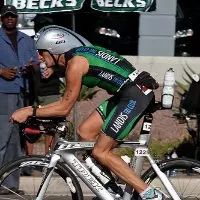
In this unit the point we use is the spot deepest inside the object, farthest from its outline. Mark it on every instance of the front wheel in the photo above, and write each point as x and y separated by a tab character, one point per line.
63	184
184	174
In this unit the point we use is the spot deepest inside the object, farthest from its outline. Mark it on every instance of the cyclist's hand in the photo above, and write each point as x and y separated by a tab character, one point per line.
145	79
8	73
21	115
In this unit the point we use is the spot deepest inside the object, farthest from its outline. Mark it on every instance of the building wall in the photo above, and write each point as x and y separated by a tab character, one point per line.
157	30
158	65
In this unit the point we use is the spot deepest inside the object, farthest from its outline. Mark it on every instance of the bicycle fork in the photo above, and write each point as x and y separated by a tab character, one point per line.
163	178
47	177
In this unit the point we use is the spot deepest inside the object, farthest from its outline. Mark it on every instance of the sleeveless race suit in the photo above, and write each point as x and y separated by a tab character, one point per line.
110	71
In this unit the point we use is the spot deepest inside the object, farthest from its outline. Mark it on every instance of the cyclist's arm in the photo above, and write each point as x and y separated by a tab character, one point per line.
76	68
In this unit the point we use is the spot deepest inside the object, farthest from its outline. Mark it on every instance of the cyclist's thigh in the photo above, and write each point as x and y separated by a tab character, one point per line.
91	126
126	111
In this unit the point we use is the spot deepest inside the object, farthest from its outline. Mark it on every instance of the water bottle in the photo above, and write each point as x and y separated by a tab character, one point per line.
167	156
174	172
42	69
168	89
108	181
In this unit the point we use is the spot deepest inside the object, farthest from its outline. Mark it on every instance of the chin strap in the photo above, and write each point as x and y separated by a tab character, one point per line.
56	61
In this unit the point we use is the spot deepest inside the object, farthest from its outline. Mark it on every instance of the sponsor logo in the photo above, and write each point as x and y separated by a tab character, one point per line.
33	4
101	108
87	176
57	36
107	57
122	4
60	42
118	81
106	75
86	49
123	116
38	163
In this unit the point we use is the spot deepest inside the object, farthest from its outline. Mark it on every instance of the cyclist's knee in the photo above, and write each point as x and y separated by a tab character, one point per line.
82	134
86	135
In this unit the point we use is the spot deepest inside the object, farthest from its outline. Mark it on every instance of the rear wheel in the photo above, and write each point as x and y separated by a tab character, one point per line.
63	184
184	174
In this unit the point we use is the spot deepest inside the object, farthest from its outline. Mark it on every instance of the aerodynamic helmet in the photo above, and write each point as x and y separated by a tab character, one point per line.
58	39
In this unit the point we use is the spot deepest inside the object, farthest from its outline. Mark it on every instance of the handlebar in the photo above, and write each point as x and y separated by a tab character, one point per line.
38	126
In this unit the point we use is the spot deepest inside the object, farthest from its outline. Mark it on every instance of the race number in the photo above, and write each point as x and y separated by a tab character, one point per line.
141	151
146	126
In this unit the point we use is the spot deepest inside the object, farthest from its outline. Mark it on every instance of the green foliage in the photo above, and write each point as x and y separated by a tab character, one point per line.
124	151
62	86
187	77
70	127
188	71
157	149
184	87
85	94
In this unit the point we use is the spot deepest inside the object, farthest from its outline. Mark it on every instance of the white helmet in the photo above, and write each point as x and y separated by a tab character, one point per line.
58	39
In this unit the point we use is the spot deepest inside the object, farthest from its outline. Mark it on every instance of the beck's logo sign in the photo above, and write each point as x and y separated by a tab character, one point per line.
45	6
121	4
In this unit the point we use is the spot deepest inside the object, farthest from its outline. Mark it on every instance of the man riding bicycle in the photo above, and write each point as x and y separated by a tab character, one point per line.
114	119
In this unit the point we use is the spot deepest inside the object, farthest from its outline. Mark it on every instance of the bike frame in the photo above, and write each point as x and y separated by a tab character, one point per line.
66	150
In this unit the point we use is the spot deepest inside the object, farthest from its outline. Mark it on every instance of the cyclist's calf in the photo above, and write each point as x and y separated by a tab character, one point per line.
102	150
100	156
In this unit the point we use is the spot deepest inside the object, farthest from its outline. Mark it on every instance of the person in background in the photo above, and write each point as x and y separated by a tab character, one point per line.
16	53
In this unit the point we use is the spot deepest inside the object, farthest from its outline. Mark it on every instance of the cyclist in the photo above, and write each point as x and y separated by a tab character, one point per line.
92	66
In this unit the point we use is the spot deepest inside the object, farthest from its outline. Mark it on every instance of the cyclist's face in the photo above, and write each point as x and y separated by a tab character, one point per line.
44	56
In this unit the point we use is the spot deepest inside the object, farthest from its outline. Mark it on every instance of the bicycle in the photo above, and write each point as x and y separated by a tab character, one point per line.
63	165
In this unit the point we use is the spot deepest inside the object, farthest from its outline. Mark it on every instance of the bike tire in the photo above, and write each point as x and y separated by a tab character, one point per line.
58	188
184	174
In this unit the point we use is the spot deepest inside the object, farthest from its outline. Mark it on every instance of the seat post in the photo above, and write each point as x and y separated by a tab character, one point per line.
144	137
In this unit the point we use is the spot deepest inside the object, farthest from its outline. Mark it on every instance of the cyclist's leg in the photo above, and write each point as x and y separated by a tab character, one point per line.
90	128
103	153
118	123
92	125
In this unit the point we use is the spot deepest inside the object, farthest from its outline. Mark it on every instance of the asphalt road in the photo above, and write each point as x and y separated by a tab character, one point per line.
10	197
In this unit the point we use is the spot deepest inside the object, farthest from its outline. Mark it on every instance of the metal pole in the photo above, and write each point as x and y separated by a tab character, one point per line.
75	118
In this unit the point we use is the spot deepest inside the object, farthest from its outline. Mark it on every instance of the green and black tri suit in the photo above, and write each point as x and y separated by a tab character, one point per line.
109	71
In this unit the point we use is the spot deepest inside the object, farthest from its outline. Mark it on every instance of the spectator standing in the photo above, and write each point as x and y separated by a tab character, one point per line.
17	51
